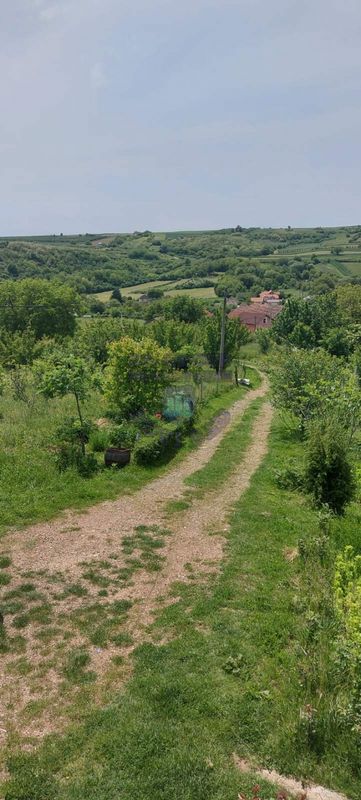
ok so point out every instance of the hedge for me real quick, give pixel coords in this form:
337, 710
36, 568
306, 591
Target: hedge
164, 443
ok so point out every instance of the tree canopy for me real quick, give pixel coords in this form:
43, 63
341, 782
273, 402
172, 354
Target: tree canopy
44, 308
235, 335
137, 375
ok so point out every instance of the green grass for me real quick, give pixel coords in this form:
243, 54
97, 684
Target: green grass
205, 292
352, 267
231, 679
38, 490
170, 289
234, 443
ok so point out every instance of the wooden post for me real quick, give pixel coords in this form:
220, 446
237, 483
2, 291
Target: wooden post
223, 336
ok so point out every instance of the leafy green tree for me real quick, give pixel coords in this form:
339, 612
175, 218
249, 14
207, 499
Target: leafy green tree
182, 338
184, 309
116, 295
328, 474
304, 323
43, 307
305, 382
348, 299
337, 342
17, 348
97, 307
137, 375
229, 286
196, 368
156, 293
93, 339
63, 373
264, 340
235, 335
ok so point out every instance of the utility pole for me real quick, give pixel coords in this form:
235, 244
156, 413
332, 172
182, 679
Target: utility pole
223, 336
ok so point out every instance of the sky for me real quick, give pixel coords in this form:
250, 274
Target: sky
123, 115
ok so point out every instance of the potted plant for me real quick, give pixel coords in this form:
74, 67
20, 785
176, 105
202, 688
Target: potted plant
122, 438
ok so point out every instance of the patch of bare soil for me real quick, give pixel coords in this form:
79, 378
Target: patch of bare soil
297, 789
219, 424
92, 582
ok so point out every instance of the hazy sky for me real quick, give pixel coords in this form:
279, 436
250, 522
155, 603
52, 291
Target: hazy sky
119, 115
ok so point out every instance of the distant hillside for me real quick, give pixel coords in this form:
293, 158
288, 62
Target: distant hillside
250, 259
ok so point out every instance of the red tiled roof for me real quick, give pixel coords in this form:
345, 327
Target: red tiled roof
256, 315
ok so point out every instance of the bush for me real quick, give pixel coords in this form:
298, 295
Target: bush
163, 445
72, 431
70, 456
263, 338
328, 475
99, 440
144, 423
123, 435
137, 375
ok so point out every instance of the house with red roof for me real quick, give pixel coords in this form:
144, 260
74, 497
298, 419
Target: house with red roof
267, 297
256, 315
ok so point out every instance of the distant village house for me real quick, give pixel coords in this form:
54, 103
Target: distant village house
260, 313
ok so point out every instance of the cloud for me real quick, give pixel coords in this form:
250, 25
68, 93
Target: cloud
214, 111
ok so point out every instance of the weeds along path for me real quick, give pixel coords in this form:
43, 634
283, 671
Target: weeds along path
83, 589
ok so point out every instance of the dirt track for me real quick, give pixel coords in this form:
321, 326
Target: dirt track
58, 552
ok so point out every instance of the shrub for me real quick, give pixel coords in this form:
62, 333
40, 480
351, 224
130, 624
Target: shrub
328, 475
73, 431
123, 435
164, 444
70, 456
264, 340
144, 423
137, 375
99, 440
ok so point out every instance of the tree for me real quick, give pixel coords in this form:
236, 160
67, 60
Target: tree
137, 375
348, 299
196, 369
337, 342
184, 309
94, 338
182, 338
97, 307
328, 475
62, 373
155, 293
235, 335
116, 295
46, 308
229, 286
304, 323
17, 348
306, 382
